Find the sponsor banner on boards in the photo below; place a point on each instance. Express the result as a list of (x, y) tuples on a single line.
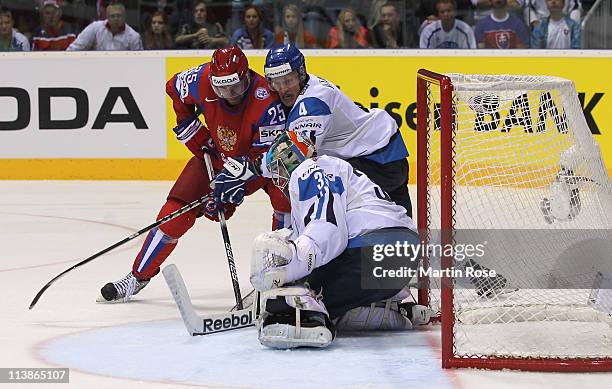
[(82, 108), (389, 83)]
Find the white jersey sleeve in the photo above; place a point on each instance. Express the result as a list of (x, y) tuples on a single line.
[(332, 203), (337, 125)]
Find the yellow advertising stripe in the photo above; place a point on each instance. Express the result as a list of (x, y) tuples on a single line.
[(90, 169), (390, 83), (383, 81)]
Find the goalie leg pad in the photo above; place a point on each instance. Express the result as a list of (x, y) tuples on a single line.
[(385, 315), (294, 317)]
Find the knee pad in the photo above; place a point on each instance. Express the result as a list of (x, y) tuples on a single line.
[(385, 315), (294, 317), (376, 316), (176, 227)]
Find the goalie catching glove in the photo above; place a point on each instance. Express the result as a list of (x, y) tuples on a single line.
[(230, 183), (276, 260)]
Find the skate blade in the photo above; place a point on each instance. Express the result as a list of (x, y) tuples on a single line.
[(101, 300)]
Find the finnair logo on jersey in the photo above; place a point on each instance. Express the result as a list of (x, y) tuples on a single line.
[(307, 125), (309, 171), (278, 71), (225, 80)]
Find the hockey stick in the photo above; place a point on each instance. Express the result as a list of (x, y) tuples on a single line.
[(163, 220), (210, 324), (226, 240)]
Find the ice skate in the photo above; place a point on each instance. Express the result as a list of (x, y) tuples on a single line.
[(122, 290)]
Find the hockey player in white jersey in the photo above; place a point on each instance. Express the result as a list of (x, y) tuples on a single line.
[(368, 139), (310, 275)]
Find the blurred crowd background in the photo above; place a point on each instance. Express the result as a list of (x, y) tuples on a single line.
[(208, 24)]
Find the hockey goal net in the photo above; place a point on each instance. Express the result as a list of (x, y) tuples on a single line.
[(509, 163)]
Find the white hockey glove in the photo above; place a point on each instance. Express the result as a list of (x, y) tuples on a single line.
[(275, 261)]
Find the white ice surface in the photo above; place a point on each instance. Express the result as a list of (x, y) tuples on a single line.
[(45, 227)]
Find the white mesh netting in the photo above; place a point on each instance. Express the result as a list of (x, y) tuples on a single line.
[(528, 170)]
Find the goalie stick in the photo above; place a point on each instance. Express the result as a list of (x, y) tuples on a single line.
[(209, 324)]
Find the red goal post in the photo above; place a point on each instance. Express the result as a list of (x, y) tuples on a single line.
[(441, 186)]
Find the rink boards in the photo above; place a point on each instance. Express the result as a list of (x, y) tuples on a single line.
[(104, 115)]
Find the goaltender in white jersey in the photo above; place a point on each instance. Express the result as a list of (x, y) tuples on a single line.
[(311, 276), (340, 204), (368, 139)]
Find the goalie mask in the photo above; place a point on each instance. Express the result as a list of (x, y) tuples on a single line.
[(288, 151)]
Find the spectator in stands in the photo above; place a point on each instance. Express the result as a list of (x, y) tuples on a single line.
[(447, 32), (10, 38), (537, 10), (53, 33), (110, 34), (348, 33), (199, 33), (252, 34), (292, 29), (374, 13), (484, 8), (156, 35), (501, 29), (427, 12), (181, 13), (557, 31), (388, 31)]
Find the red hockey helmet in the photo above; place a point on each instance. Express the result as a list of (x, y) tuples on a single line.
[(229, 72)]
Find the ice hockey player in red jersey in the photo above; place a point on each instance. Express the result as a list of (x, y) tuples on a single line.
[(241, 120)]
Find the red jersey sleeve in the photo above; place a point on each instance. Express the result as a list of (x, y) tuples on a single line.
[(184, 90)]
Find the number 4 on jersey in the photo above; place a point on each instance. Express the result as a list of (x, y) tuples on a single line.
[(302, 109)]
